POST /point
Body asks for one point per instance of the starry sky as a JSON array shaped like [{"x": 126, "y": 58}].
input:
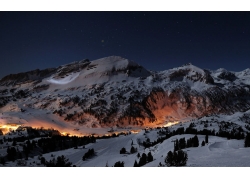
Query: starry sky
[{"x": 155, "y": 40}]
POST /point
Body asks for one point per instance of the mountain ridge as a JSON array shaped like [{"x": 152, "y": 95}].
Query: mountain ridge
[{"x": 116, "y": 92}]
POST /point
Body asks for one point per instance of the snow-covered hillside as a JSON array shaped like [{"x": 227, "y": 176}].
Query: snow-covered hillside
[{"x": 218, "y": 152}]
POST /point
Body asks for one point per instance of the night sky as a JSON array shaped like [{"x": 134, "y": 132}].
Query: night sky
[{"x": 155, "y": 40}]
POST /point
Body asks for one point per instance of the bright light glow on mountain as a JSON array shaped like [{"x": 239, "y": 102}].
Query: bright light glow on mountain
[{"x": 64, "y": 80}]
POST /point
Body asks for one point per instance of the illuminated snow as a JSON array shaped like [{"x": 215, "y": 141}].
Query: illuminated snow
[{"x": 65, "y": 80}]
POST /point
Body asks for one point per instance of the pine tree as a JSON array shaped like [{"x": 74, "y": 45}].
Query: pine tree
[
  {"x": 89, "y": 154},
  {"x": 178, "y": 158},
  {"x": 60, "y": 162},
  {"x": 203, "y": 143},
  {"x": 136, "y": 164},
  {"x": 182, "y": 143},
  {"x": 247, "y": 140},
  {"x": 143, "y": 160},
  {"x": 196, "y": 141},
  {"x": 2, "y": 161},
  {"x": 189, "y": 144},
  {"x": 176, "y": 145},
  {"x": 169, "y": 160},
  {"x": 132, "y": 150},
  {"x": 182, "y": 158},
  {"x": 14, "y": 143},
  {"x": 43, "y": 161},
  {"x": 150, "y": 157},
  {"x": 119, "y": 164},
  {"x": 123, "y": 151}
]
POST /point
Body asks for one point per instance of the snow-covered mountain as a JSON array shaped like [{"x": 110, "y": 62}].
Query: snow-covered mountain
[{"x": 92, "y": 96}]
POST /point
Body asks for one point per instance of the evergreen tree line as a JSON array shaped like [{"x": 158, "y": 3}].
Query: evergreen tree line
[
  {"x": 113, "y": 135},
  {"x": 179, "y": 131},
  {"x": 233, "y": 134},
  {"x": 148, "y": 143},
  {"x": 14, "y": 153},
  {"x": 182, "y": 143},
  {"x": 56, "y": 143},
  {"x": 119, "y": 164},
  {"x": 11, "y": 153},
  {"x": 61, "y": 161},
  {"x": 191, "y": 130},
  {"x": 144, "y": 159},
  {"x": 33, "y": 133},
  {"x": 176, "y": 158},
  {"x": 44, "y": 145}
]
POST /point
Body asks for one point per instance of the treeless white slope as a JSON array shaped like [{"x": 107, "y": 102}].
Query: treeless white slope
[
  {"x": 64, "y": 80},
  {"x": 100, "y": 71}
]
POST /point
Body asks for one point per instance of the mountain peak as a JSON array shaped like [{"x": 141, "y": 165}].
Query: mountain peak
[
  {"x": 117, "y": 64},
  {"x": 191, "y": 72},
  {"x": 118, "y": 61}
]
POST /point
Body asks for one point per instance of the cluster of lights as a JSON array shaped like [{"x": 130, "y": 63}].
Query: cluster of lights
[
  {"x": 8, "y": 127},
  {"x": 170, "y": 124}
]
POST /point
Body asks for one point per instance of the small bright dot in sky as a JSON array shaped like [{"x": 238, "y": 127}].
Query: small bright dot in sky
[{"x": 156, "y": 40}]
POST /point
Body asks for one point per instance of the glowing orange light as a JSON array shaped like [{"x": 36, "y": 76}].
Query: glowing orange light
[
  {"x": 170, "y": 124},
  {"x": 8, "y": 127}
]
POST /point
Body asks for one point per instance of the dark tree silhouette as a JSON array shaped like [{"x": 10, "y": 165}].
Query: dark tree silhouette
[
  {"x": 136, "y": 164},
  {"x": 196, "y": 141},
  {"x": 43, "y": 161},
  {"x": 60, "y": 162},
  {"x": 119, "y": 164},
  {"x": 133, "y": 150},
  {"x": 206, "y": 138},
  {"x": 123, "y": 151},
  {"x": 2, "y": 161},
  {"x": 178, "y": 158},
  {"x": 247, "y": 140},
  {"x": 150, "y": 157},
  {"x": 192, "y": 142},
  {"x": 89, "y": 154},
  {"x": 11, "y": 153},
  {"x": 169, "y": 160},
  {"x": 143, "y": 160},
  {"x": 176, "y": 145},
  {"x": 14, "y": 143}
]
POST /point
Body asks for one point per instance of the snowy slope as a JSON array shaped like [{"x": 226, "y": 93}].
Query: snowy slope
[
  {"x": 218, "y": 152},
  {"x": 93, "y": 96}
]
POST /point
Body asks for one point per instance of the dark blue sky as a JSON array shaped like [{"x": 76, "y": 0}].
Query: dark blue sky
[{"x": 155, "y": 40}]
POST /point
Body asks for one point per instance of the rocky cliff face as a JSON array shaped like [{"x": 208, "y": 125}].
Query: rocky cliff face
[
  {"x": 114, "y": 91},
  {"x": 183, "y": 103},
  {"x": 26, "y": 77}
]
